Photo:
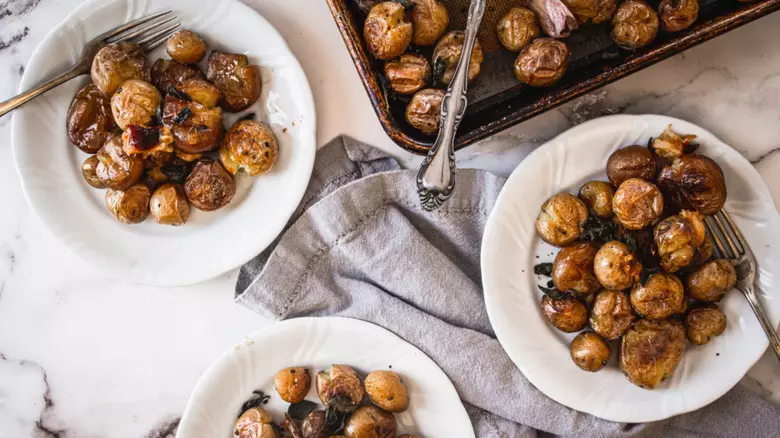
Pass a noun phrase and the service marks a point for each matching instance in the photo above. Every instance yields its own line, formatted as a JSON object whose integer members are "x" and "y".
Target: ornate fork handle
{"x": 749, "y": 291}
{"x": 436, "y": 179}
{"x": 15, "y": 102}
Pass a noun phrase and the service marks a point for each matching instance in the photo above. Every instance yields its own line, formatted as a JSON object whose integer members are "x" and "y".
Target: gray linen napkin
{"x": 360, "y": 246}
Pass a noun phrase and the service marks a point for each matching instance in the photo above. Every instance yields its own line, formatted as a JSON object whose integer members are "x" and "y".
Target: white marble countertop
{"x": 84, "y": 356}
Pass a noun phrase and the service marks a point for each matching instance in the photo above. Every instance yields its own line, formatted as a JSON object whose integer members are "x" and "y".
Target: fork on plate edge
{"x": 148, "y": 32}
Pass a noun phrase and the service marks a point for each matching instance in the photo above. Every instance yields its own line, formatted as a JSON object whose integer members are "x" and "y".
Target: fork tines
{"x": 729, "y": 242}
{"x": 148, "y": 32}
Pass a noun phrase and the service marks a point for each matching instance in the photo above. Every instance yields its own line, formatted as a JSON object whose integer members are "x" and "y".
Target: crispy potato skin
{"x": 186, "y": 47}
{"x": 677, "y": 15}
{"x": 634, "y": 25}
{"x": 201, "y": 91}
{"x": 254, "y": 423}
{"x": 340, "y": 387}
{"x": 631, "y": 162}
{"x": 447, "y": 54}
{"x": 567, "y": 314}
{"x": 249, "y": 146}
{"x": 89, "y": 172}
{"x": 370, "y": 422}
{"x": 694, "y": 182}
{"x": 239, "y": 81}
{"x": 517, "y": 28}
{"x": 424, "y": 110}
{"x": 293, "y": 383}
{"x": 169, "y": 205}
{"x": 704, "y": 323}
{"x": 573, "y": 269}
{"x": 651, "y": 350}
{"x": 135, "y": 103}
{"x": 386, "y": 390}
{"x": 660, "y": 297}
{"x": 542, "y": 63}
{"x": 637, "y": 204}
{"x": 591, "y": 11}
{"x": 597, "y": 196}
{"x": 116, "y": 63}
{"x": 562, "y": 219}
{"x": 129, "y": 206}
{"x": 386, "y": 31}
{"x": 611, "y": 315}
{"x": 408, "y": 74}
{"x": 711, "y": 281}
{"x": 168, "y": 73}
{"x": 115, "y": 168}
{"x": 678, "y": 238}
{"x": 89, "y": 120}
{"x": 209, "y": 187}
{"x": 590, "y": 352}
{"x": 616, "y": 267}
{"x": 201, "y": 129}
{"x": 429, "y": 21}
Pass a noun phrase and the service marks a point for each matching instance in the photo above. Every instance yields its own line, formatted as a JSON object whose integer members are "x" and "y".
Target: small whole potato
{"x": 249, "y": 146}
{"x": 677, "y": 15}
{"x": 678, "y": 238}
{"x": 209, "y": 187}
{"x": 116, "y": 63}
{"x": 370, "y": 422}
{"x": 651, "y": 350}
{"x": 562, "y": 219}
{"x": 135, "y": 103}
{"x": 573, "y": 269}
{"x": 611, "y": 314}
{"x": 660, "y": 297}
{"x": 201, "y": 91}
{"x": 115, "y": 168}
{"x": 167, "y": 73}
{"x": 447, "y": 54}
{"x": 186, "y": 47}
{"x": 237, "y": 79}
{"x": 631, "y": 162}
{"x": 292, "y": 384}
{"x": 694, "y": 182}
{"x": 386, "y": 30}
{"x": 386, "y": 390}
{"x": 195, "y": 127}
{"x": 129, "y": 206}
{"x": 429, "y": 21}
{"x": 408, "y": 74}
{"x": 566, "y": 314}
{"x": 89, "y": 119}
{"x": 590, "y": 352}
{"x": 89, "y": 172}
{"x": 670, "y": 145}
{"x": 637, "y": 204}
{"x": 635, "y": 25}
{"x": 616, "y": 267}
{"x": 591, "y": 11}
{"x": 424, "y": 110}
{"x": 254, "y": 423}
{"x": 704, "y": 323}
{"x": 597, "y": 196}
{"x": 169, "y": 205}
{"x": 542, "y": 63}
{"x": 340, "y": 388}
{"x": 517, "y": 28}
{"x": 711, "y": 281}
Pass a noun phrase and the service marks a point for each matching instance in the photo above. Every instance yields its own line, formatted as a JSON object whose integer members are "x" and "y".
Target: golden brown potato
{"x": 678, "y": 238}
{"x": 167, "y": 73}
{"x": 651, "y": 350}
{"x": 597, "y": 196}
{"x": 116, "y": 63}
{"x": 611, "y": 314}
{"x": 195, "y": 128}
{"x": 670, "y": 145}
{"x": 616, "y": 267}
{"x": 517, "y": 28}
{"x": 447, "y": 54}
{"x": 562, "y": 219}
{"x": 209, "y": 187}
{"x": 254, "y": 423}
{"x": 115, "y": 168}
{"x": 89, "y": 172}
{"x": 711, "y": 281}
{"x": 591, "y": 11}
{"x": 249, "y": 146}
{"x": 370, "y": 422}
{"x": 89, "y": 119}
{"x": 590, "y": 352}
{"x": 339, "y": 388}
{"x": 201, "y": 91}
{"x": 660, "y": 297}
{"x": 129, "y": 206}
{"x": 637, "y": 204}
{"x": 386, "y": 30}
{"x": 703, "y": 323}
{"x": 429, "y": 21}
{"x": 631, "y": 162}
{"x": 573, "y": 269}
{"x": 408, "y": 74}
{"x": 169, "y": 205}
{"x": 386, "y": 390}
{"x": 677, "y": 15}
{"x": 135, "y": 103}
{"x": 239, "y": 81}
{"x": 566, "y": 314}
{"x": 186, "y": 47}
{"x": 424, "y": 110}
{"x": 292, "y": 384}
{"x": 635, "y": 25}
{"x": 542, "y": 63}
{"x": 152, "y": 143}
{"x": 694, "y": 182}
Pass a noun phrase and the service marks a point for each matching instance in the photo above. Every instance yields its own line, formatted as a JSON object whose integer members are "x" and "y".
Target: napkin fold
{"x": 361, "y": 246}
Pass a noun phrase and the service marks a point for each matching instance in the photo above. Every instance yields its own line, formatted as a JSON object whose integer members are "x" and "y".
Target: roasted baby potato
{"x": 249, "y": 146}
{"x": 209, "y": 187}
{"x": 386, "y": 390}
{"x": 424, "y": 110}
{"x": 573, "y": 269}
{"x": 517, "y": 28}
{"x": 616, "y": 267}
{"x": 611, "y": 315}
{"x": 635, "y": 25}
{"x": 597, "y": 196}
{"x": 339, "y": 388}
{"x": 637, "y": 204}
{"x": 631, "y": 162}
{"x": 670, "y": 145}
{"x": 89, "y": 119}
{"x": 562, "y": 219}
{"x": 169, "y": 205}
{"x": 195, "y": 127}
{"x": 678, "y": 238}
{"x": 116, "y": 63}
{"x": 710, "y": 282}
{"x": 186, "y": 47}
{"x": 703, "y": 323}
{"x": 201, "y": 91}
{"x": 89, "y": 172}
{"x": 408, "y": 74}
{"x": 254, "y": 423}
{"x": 447, "y": 54}
{"x": 590, "y": 352}
{"x": 135, "y": 103}
{"x": 167, "y": 73}
{"x": 677, "y": 15}
{"x": 370, "y": 422}
{"x": 239, "y": 82}
{"x": 292, "y": 384}
{"x": 115, "y": 168}
{"x": 542, "y": 63}
{"x": 694, "y": 182}
{"x": 566, "y": 314}
{"x": 651, "y": 350}
{"x": 591, "y": 11}
{"x": 660, "y": 297}
{"x": 386, "y": 30}
{"x": 129, "y": 206}
{"x": 429, "y": 21}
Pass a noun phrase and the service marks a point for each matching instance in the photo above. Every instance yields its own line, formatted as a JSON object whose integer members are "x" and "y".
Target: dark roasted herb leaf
{"x": 690, "y": 148}
{"x": 335, "y": 420}
{"x": 550, "y": 284}
{"x": 178, "y": 94}
{"x": 258, "y": 399}
{"x": 291, "y": 428}
{"x": 543, "y": 269}
{"x": 407, "y": 4}
{"x": 177, "y": 171}
{"x": 250, "y": 116}
{"x": 183, "y": 115}
{"x": 553, "y": 293}
{"x": 299, "y": 411}
{"x": 650, "y": 143}
{"x": 439, "y": 67}
{"x": 599, "y": 230}
{"x": 646, "y": 273}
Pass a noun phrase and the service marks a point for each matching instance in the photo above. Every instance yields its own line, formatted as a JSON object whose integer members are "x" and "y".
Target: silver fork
{"x": 731, "y": 245}
{"x": 148, "y": 32}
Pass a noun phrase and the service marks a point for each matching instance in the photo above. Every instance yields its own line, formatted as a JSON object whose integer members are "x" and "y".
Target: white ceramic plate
{"x": 210, "y": 243}
{"x": 434, "y": 407}
{"x": 510, "y": 248}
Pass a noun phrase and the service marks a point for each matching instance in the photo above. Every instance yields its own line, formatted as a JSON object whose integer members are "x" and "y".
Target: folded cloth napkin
{"x": 361, "y": 246}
